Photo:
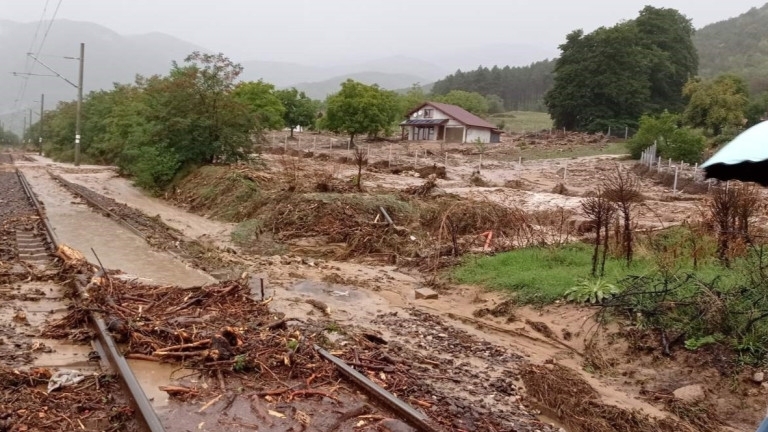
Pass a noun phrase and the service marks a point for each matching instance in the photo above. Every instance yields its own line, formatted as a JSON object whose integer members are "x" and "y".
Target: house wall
{"x": 473, "y": 134}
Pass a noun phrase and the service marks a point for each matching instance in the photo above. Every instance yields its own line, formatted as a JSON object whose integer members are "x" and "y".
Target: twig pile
{"x": 88, "y": 405}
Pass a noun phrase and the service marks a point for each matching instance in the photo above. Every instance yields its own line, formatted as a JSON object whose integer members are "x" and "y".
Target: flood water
{"x": 77, "y": 226}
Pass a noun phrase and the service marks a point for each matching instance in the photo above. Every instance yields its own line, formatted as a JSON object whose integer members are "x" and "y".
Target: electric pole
{"x": 79, "y": 104}
{"x": 40, "y": 131}
{"x": 31, "y": 136}
{"x": 24, "y": 130}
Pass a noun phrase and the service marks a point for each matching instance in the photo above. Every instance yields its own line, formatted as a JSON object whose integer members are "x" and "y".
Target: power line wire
{"x": 42, "y": 43}
{"x": 27, "y": 67}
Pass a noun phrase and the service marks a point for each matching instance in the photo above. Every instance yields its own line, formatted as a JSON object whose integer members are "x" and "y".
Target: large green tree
{"x": 299, "y": 109}
{"x": 264, "y": 103}
{"x": 716, "y": 104}
{"x": 669, "y": 35}
{"x": 470, "y": 101}
{"x": 361, "y": 109}
{"x": 601, "y": 79}
{"x": 612, "y": 76}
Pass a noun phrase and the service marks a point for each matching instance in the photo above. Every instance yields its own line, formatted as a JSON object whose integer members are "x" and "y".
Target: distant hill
{"x": 318, "y": 82}
{"x": 389, "y": 81}
{"x": 109, "y": 58}
{"x": 737, "y": 45}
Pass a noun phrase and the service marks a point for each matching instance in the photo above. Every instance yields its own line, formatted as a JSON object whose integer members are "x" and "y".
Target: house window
{"x": 428, "y": 113}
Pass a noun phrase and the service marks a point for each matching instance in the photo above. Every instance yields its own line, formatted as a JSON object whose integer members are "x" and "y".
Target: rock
{"x": 393, "y": 425}
{"x": 758, "y": 377}
{"x": 691, "y": 393}
{"x": 426, "y": 294}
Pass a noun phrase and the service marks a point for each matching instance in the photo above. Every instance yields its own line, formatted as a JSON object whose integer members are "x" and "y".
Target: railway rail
{"x": 35, "y": 248}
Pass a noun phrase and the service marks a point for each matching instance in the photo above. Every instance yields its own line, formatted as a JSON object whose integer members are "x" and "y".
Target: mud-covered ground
{"x": 381, "y": 297}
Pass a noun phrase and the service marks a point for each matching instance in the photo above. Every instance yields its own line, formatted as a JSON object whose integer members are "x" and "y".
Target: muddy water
{"x": 81, "y": 228}
{"x": 152, "y": 376}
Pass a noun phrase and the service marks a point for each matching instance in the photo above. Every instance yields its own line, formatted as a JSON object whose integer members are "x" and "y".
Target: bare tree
{"x": 361, "y": 159}
{"x": 623, "y": 189}
{"x": 600, "y": 211}
{"x": 731, "y": 208}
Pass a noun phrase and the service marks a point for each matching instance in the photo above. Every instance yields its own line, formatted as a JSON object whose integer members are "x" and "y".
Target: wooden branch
{"x": 198, "y": 344}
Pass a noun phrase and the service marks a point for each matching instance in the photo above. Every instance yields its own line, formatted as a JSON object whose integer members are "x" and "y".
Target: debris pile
{"x": 89, "y": 404}
{"x": 579, "y": 407}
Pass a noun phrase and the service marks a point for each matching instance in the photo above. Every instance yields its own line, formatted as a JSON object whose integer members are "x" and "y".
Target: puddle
{"x": 152, "y": 375}
{"x": 350, "y": 301}
{"x": 65, "y": 355}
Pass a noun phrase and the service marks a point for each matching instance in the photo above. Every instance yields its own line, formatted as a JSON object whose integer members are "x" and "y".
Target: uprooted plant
{"x": 361, "y": 159}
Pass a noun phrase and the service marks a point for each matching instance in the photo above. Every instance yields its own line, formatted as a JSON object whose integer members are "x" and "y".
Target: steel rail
{"x": 147, "y": 418}
{"x": 410, "y": 414}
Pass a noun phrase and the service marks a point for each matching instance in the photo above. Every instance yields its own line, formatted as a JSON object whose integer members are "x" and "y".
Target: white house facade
{"x": 433, "y": 121}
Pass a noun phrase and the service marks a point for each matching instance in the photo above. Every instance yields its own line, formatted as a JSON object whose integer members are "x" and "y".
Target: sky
{"x": 322, "y": 32}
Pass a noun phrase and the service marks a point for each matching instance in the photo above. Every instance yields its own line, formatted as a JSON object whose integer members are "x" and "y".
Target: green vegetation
{"x": 736, "y": 46}
{"x": 470, "y": 101}
{"x": 540, "y": 274}
{"x": 523, "y": 121}
{"x": 359, "y": 109}
{"x": 716, "y": 104}
{"x": 520, "y": 88}
{"x": 8, "y": 138}
{"x": 673, "y": 140}
{"x": 610, "y": 77}
{"x": 299, "y": 110}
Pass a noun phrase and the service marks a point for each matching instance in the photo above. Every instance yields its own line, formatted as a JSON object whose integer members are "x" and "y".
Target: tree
{"x": 264, "y": 103}
{"x": 717, "y": 104}
{"x": 669, "y": 34}
{"x": 673, "y": 141}
{"x": 412, "y": 99}
{"x": 361, "y": 109}
{"x": 495, "y": 104}
{"x": 601, "y": 79}
{"x": 470, "y": 101}
{"x": 299, "y": 110}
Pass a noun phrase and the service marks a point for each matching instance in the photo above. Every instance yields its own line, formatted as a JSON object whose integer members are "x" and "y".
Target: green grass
{"x": 541, "y": 275}
{"x": 518, "y": 121}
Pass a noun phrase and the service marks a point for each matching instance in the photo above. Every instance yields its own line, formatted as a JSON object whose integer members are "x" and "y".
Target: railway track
{"x": 34, "y": 246}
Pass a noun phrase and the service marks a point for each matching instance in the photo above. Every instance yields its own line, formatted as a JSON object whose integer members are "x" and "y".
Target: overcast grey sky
{"x": 320, "y": 31}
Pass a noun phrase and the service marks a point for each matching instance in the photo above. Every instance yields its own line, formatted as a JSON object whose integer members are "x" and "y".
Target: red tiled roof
{"x": 457, "y": 113}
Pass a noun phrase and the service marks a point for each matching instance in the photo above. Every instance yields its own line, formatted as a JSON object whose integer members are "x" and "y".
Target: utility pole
{"x": 79, "y": 104}
{"x": 24, "y": 129}
{"x": 31, "y": 137}
{"x": 40, "y": 131}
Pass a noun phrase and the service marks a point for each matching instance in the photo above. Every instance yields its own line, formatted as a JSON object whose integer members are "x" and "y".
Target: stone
{"x": 393, "y": 425}
{"x": 758, "y": 377}
{"x": 426, "y": 294}
{"x": 691, "y": 393}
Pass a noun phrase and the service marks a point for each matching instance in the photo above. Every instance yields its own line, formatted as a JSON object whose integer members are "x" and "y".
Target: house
{"x": 434, "y": 121}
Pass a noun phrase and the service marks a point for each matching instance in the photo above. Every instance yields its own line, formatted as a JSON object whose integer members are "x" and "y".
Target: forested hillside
{"x": 739, "y": 46}
{"x": 521, "y": 88}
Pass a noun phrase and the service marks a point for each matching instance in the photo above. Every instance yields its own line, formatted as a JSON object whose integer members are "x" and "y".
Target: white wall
{"x": 483, "y": 134}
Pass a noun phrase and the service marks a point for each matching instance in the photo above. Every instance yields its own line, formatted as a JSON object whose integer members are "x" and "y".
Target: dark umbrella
{"x": 745, "y": 158}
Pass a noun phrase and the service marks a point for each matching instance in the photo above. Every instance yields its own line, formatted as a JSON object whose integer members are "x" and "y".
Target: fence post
{"x": 674, "y": 187}
{"x": 609, "y": 131}
{"x": 658, "y": 165}
{"x": 565, "y": 173}
{"x": 520, "y": 161}
{"x": 446, "y": 159}
{"x": 389, "y": 159}
{"x": 285, "y": 145}
{"x": 626, "y": 133}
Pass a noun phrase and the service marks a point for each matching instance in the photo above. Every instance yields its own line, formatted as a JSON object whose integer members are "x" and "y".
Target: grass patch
{"x": 519, "y": 121}
{"x": 541, "y": 275}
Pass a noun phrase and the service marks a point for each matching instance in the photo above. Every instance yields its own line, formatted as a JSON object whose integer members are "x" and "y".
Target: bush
{"x": 675, "y": 142}
{"x": 685, "y": 144}
{"x": 153, "y": 168}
